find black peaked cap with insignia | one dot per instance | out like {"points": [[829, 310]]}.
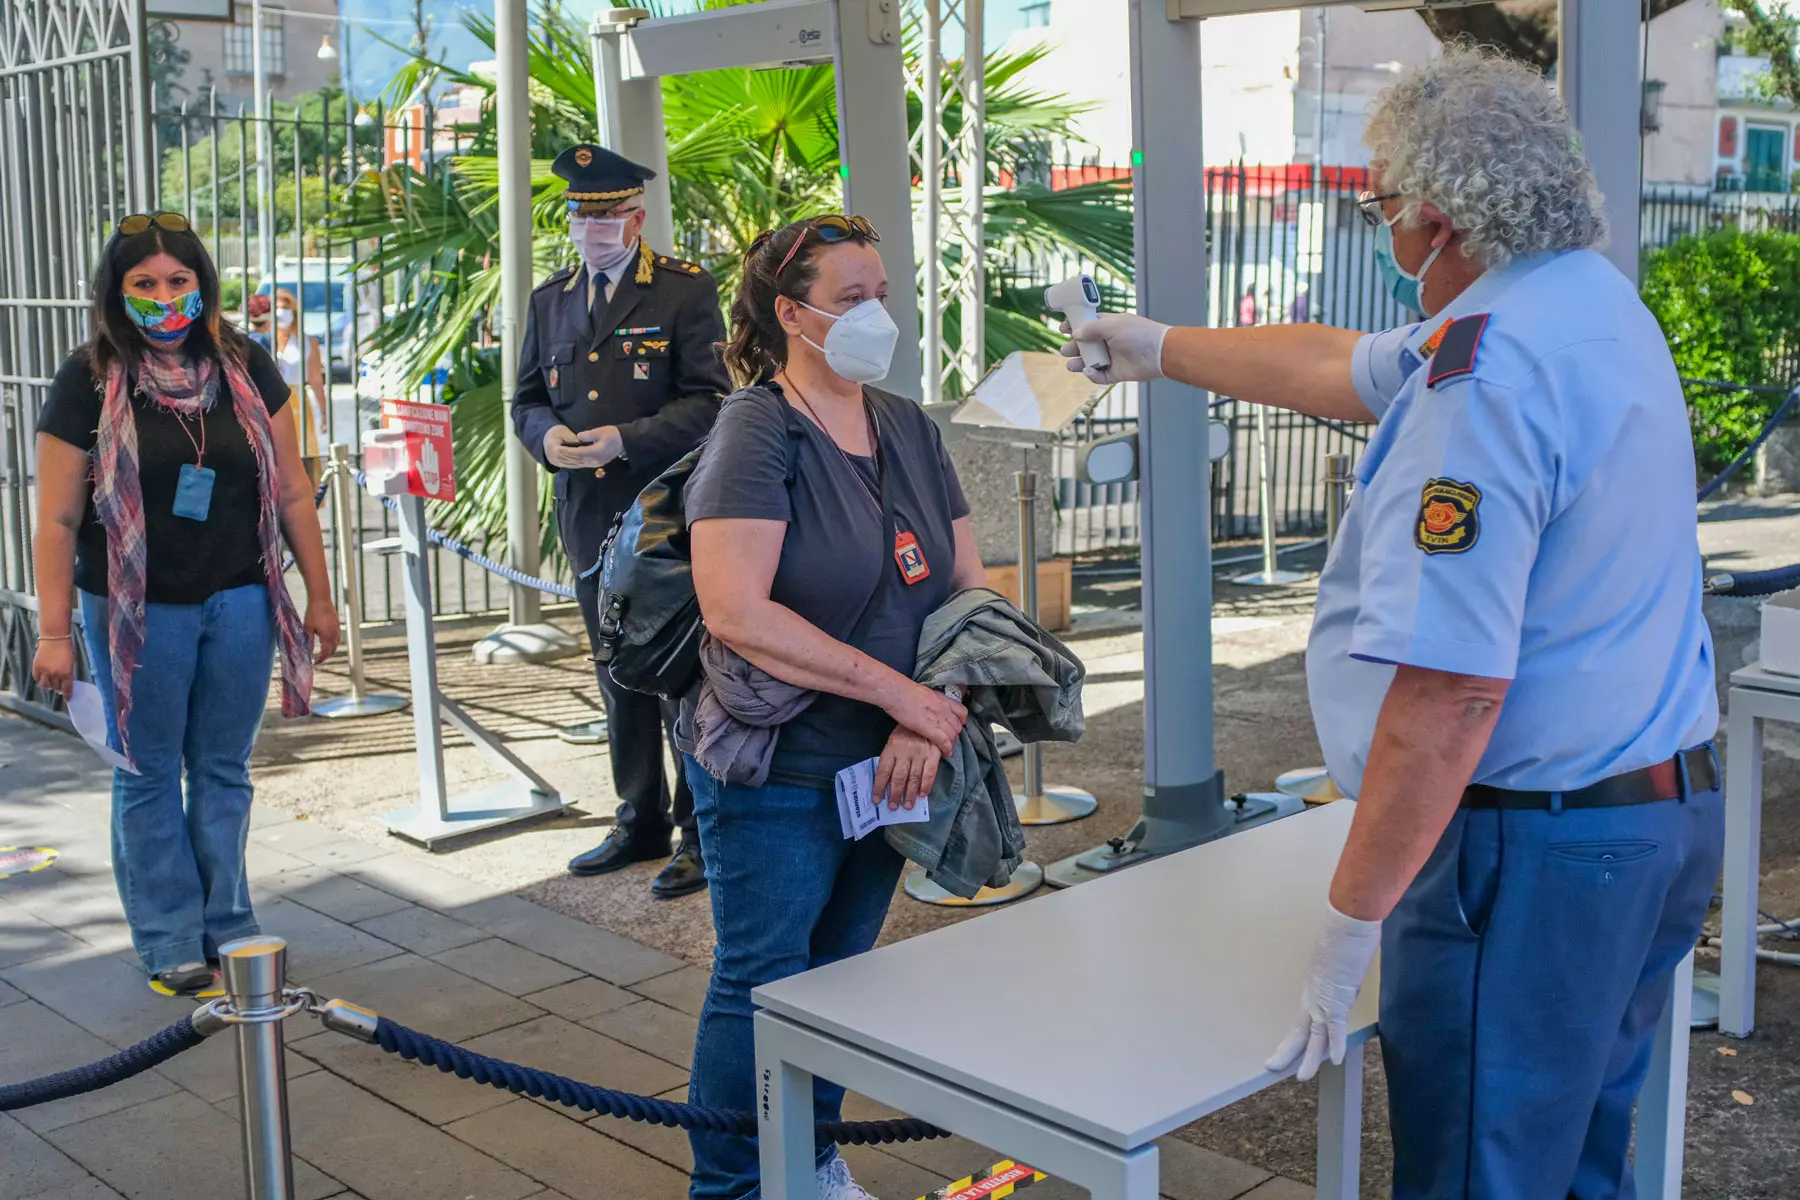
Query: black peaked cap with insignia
{"points": [[597, 177]]}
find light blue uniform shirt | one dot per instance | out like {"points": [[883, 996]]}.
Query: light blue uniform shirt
{"points": [[1531, 520]]}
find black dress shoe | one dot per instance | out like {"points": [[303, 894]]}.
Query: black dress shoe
{"points": [[620, 849], [685, 874]]}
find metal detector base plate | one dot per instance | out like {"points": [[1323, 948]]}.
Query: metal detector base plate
{"points": [[1278, 579], [1259, 808], [1705, 1014], [1026, 880], [339, 707], [1057, 806], [473, 812], [526, 644]]}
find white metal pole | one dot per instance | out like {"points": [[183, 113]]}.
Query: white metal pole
{"points": [[265, 188], [513, 109], [973, 164], [1599, 72], [931, 146]]}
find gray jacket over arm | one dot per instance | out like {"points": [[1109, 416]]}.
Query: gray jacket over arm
{"points": [[1017, 676]]}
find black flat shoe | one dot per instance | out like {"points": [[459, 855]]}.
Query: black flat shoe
{"points": [[189, 979], [620, 849], [685, 874]]}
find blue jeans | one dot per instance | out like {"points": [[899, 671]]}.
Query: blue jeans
{"points": [[788, 894], [1522, 978], [197, 699]]}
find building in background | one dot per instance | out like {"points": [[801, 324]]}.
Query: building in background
{"points": [[218, 54]]}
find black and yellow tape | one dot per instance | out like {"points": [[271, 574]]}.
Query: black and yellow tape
{"points": [[994, 1183]]}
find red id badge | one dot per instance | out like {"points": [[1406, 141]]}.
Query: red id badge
{"points": [[911, 558]]}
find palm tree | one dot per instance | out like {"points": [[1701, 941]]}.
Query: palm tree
{"points": [[747, 150]]}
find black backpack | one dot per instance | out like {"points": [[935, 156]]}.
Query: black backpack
{"points": [[650, 622], [649, 616]]}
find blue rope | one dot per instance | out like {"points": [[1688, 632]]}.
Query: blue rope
{"points": [[463, 550], [1737, 464], [158, 1048], [526, 1081]]}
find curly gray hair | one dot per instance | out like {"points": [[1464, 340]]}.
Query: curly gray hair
{"points": [[1488, 141]]}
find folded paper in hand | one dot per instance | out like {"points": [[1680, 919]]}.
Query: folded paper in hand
{"points": [[87, 712], [860, 812]]}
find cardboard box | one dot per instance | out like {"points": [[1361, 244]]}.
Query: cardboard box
{"points": [[1056, 590], [1781, 633]]}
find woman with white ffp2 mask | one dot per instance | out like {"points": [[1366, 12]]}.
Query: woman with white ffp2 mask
{"points": [[826, 525]]}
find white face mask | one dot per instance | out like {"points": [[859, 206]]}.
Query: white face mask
{"points": [[284, 317], [860, 346], [600, 241]]}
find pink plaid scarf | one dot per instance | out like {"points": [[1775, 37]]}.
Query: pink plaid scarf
{"points": [[119, 501]]}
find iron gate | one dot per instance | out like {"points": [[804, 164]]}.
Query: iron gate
{"points": [[73, 160]]}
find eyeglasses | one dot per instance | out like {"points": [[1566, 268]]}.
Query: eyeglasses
{"points": [[169, 222], [831, 228], [1368, 204]]}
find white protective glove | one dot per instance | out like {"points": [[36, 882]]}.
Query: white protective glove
{"points": [[1340, 960], [1133, 343]]}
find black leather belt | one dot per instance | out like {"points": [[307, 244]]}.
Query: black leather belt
{"points": [[1643, 786]]}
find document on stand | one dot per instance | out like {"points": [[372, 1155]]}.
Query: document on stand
{"points": [[860, 812]]}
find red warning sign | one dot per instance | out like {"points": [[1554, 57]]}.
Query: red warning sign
{"points": [[430, 461]]}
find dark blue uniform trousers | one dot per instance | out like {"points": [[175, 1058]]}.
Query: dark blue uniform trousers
{"points": [[1523, 975]]}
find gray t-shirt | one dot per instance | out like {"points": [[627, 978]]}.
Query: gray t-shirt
{"points": [[834, 553]]}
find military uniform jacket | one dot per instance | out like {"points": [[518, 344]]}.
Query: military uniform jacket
{"points": [[645, 361]]}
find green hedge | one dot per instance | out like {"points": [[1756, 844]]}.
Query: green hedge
{"points": [[1729, 303]]}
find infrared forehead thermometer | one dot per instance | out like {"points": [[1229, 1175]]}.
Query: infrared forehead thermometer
{"points": [[1079, 300]]}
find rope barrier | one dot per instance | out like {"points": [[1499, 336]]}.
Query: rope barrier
{"points": [[158, 1048], [479, 1068], [1737, 464], [1753, 583], [463, 550]]}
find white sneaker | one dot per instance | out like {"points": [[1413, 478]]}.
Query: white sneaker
{"points": [[835, 1183]]}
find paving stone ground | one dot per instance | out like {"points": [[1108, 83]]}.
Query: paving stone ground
{"points": [[462, 960]]}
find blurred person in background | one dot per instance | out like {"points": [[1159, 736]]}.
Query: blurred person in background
{"points": [[168, 477]]}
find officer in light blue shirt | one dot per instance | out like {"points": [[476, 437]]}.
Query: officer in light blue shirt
{"points": [[1508, 668]]}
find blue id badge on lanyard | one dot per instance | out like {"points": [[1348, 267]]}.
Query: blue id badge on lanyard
{"points": [[193, 492]]}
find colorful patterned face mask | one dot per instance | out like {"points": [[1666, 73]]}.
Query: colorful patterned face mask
{"points": [[165, 321]]}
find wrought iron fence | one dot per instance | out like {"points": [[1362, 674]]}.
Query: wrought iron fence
{"points": [[271, 230]]}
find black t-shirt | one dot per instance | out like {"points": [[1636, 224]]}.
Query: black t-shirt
{"points": [[835, 550], [187, 560]]}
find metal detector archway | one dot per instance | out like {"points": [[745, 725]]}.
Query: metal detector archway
{"points": [[1184, 791]]}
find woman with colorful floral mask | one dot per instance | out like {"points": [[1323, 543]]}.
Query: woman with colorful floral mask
{"points": [[167, 478]]}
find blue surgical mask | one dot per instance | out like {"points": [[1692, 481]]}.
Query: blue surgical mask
{"points": [[1408, 290]]}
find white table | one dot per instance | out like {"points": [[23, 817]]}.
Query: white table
{"points": [[1755, 696], [1071, 1031]]}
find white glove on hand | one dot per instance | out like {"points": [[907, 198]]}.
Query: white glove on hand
{"points": [[1133, 343], [1340, 961]]}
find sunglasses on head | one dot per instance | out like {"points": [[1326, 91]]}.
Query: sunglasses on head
{"points": [[169, 222], [832, 229], [1369, 205]]}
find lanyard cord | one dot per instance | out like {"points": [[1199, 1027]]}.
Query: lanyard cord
{"points": [[874, 442], [199, 446]]}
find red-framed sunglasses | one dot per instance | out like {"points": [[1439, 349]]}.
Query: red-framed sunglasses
{"points": [[831, 228]]}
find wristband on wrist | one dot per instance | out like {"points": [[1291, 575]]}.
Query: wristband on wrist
{"points": [[55, 637]]}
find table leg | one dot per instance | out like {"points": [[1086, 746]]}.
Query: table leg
{"points": [[1743, 855], [784, 1124], [1340, 1127], [1662, 1105]]}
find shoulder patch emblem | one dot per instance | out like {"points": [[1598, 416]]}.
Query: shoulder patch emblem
{"points": [[1456, 348], [1449, 517]]}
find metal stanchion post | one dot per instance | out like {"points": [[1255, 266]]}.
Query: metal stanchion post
{"points": [[349, 579], [1271, 573], [1337, 483], [255, 972], [1040, 805]]}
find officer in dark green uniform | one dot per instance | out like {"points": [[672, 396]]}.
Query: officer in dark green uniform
{"points": [[618, 378]]}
